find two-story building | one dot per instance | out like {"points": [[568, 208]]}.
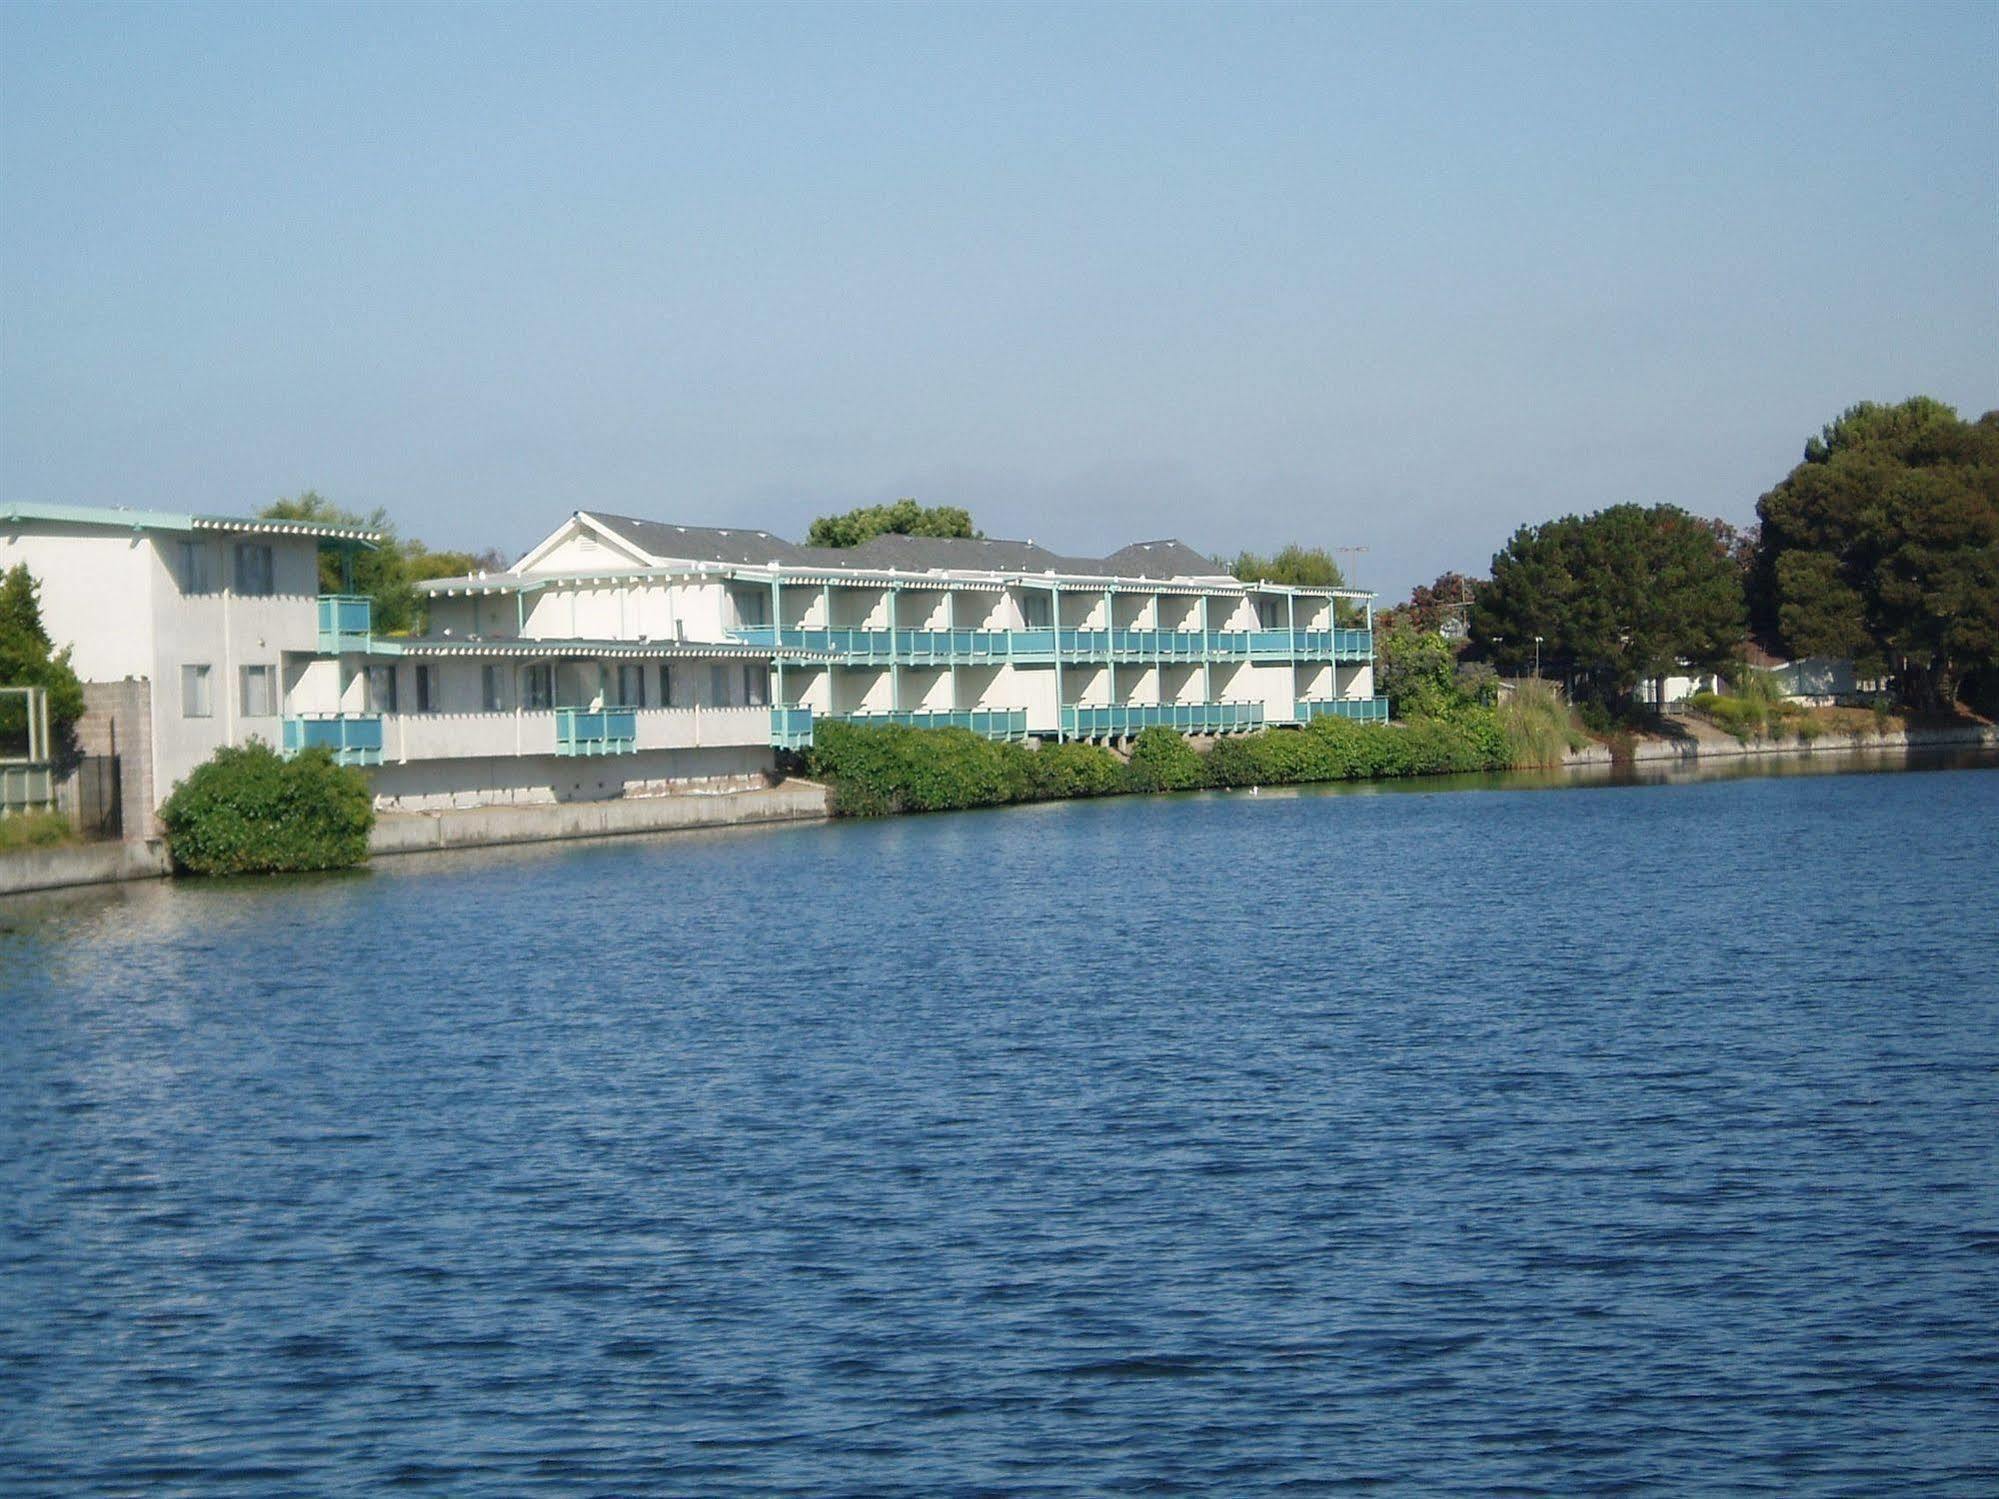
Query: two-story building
{"points": [[629, 657]]}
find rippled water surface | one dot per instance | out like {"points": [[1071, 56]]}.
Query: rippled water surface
{"points": [[1617, 1140]]}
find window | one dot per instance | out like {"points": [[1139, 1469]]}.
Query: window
{"points": [[197, 567], [1034, 610], [426, 689], [631, 686], [752, 608], [381, 689], [255, 575], [493, 688], [1270, 613], [538, 686], [718, 685], [194, 699], [260, 691], [756, 684], [666, 686]]}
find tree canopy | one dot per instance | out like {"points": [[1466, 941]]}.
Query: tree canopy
{"points": [[28, 658], [904, 518], [1616, 597], [1298, 566], [389, 573], [1883, 545]]}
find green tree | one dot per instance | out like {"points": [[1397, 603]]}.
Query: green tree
{"points": [[1883, 545], [1295, 565], [383, 574], [1616, 597], [28, 658], [1417, 672], [903, 518]]}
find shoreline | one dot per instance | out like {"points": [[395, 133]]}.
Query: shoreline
{"points": [[73, 866], [1699, 740]]}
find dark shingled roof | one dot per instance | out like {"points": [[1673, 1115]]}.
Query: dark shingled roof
{"points": [[699, 543], [893, 553], [1161, 559]]}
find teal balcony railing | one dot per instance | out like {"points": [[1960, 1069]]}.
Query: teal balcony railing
{"points": [[976, 647], [354, 738], [993, 723], [791, 728], [596, 731], [346, 623], [1121, 720], [1366, 709]]}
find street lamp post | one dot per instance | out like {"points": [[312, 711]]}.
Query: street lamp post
{"points": [[1537, 658]]}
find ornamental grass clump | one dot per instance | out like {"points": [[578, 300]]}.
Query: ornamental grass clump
{"points": [[250, 811]]}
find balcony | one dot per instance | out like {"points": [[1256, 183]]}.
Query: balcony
{"points": [[353, 738], [1365, 709], [346, 623], [993, 723], [1122, 720], [791, 728], [1040, 647], [596, 731]]}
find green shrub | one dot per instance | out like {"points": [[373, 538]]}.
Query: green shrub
{"points": [[1056, 771], [1162, 760], [877, 769], [249, 811]]}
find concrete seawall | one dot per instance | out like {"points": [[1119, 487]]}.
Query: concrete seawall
{"points": [[484, 827], [1702, 741], [58, 868], [25, 870]]}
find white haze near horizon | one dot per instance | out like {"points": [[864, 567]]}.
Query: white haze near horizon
{"points": [[1394, 278]]}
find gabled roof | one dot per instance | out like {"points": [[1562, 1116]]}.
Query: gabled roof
{"points": [[670, 543]]}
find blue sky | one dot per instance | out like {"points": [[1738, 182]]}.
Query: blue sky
{"points": [[1396, 278]]}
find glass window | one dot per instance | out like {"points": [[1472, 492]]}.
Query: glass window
{"points": [[255, 575], [756, 684], [259, 692], [493, 688], [666, 686], [194, 698], [752, 608], [426, 688], [1270, 613], [381, 689], [1034, 609], [631, 686], [197, 567], [718, 685], [538, 686]]}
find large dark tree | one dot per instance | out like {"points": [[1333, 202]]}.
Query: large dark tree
{"points": [[903, 518], [1883, 545], [1616, 597]]}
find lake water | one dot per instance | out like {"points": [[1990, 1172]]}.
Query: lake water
{"points": [[1619, 1140]]}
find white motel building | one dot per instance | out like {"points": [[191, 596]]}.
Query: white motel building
{"points": [[625, 657]]}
